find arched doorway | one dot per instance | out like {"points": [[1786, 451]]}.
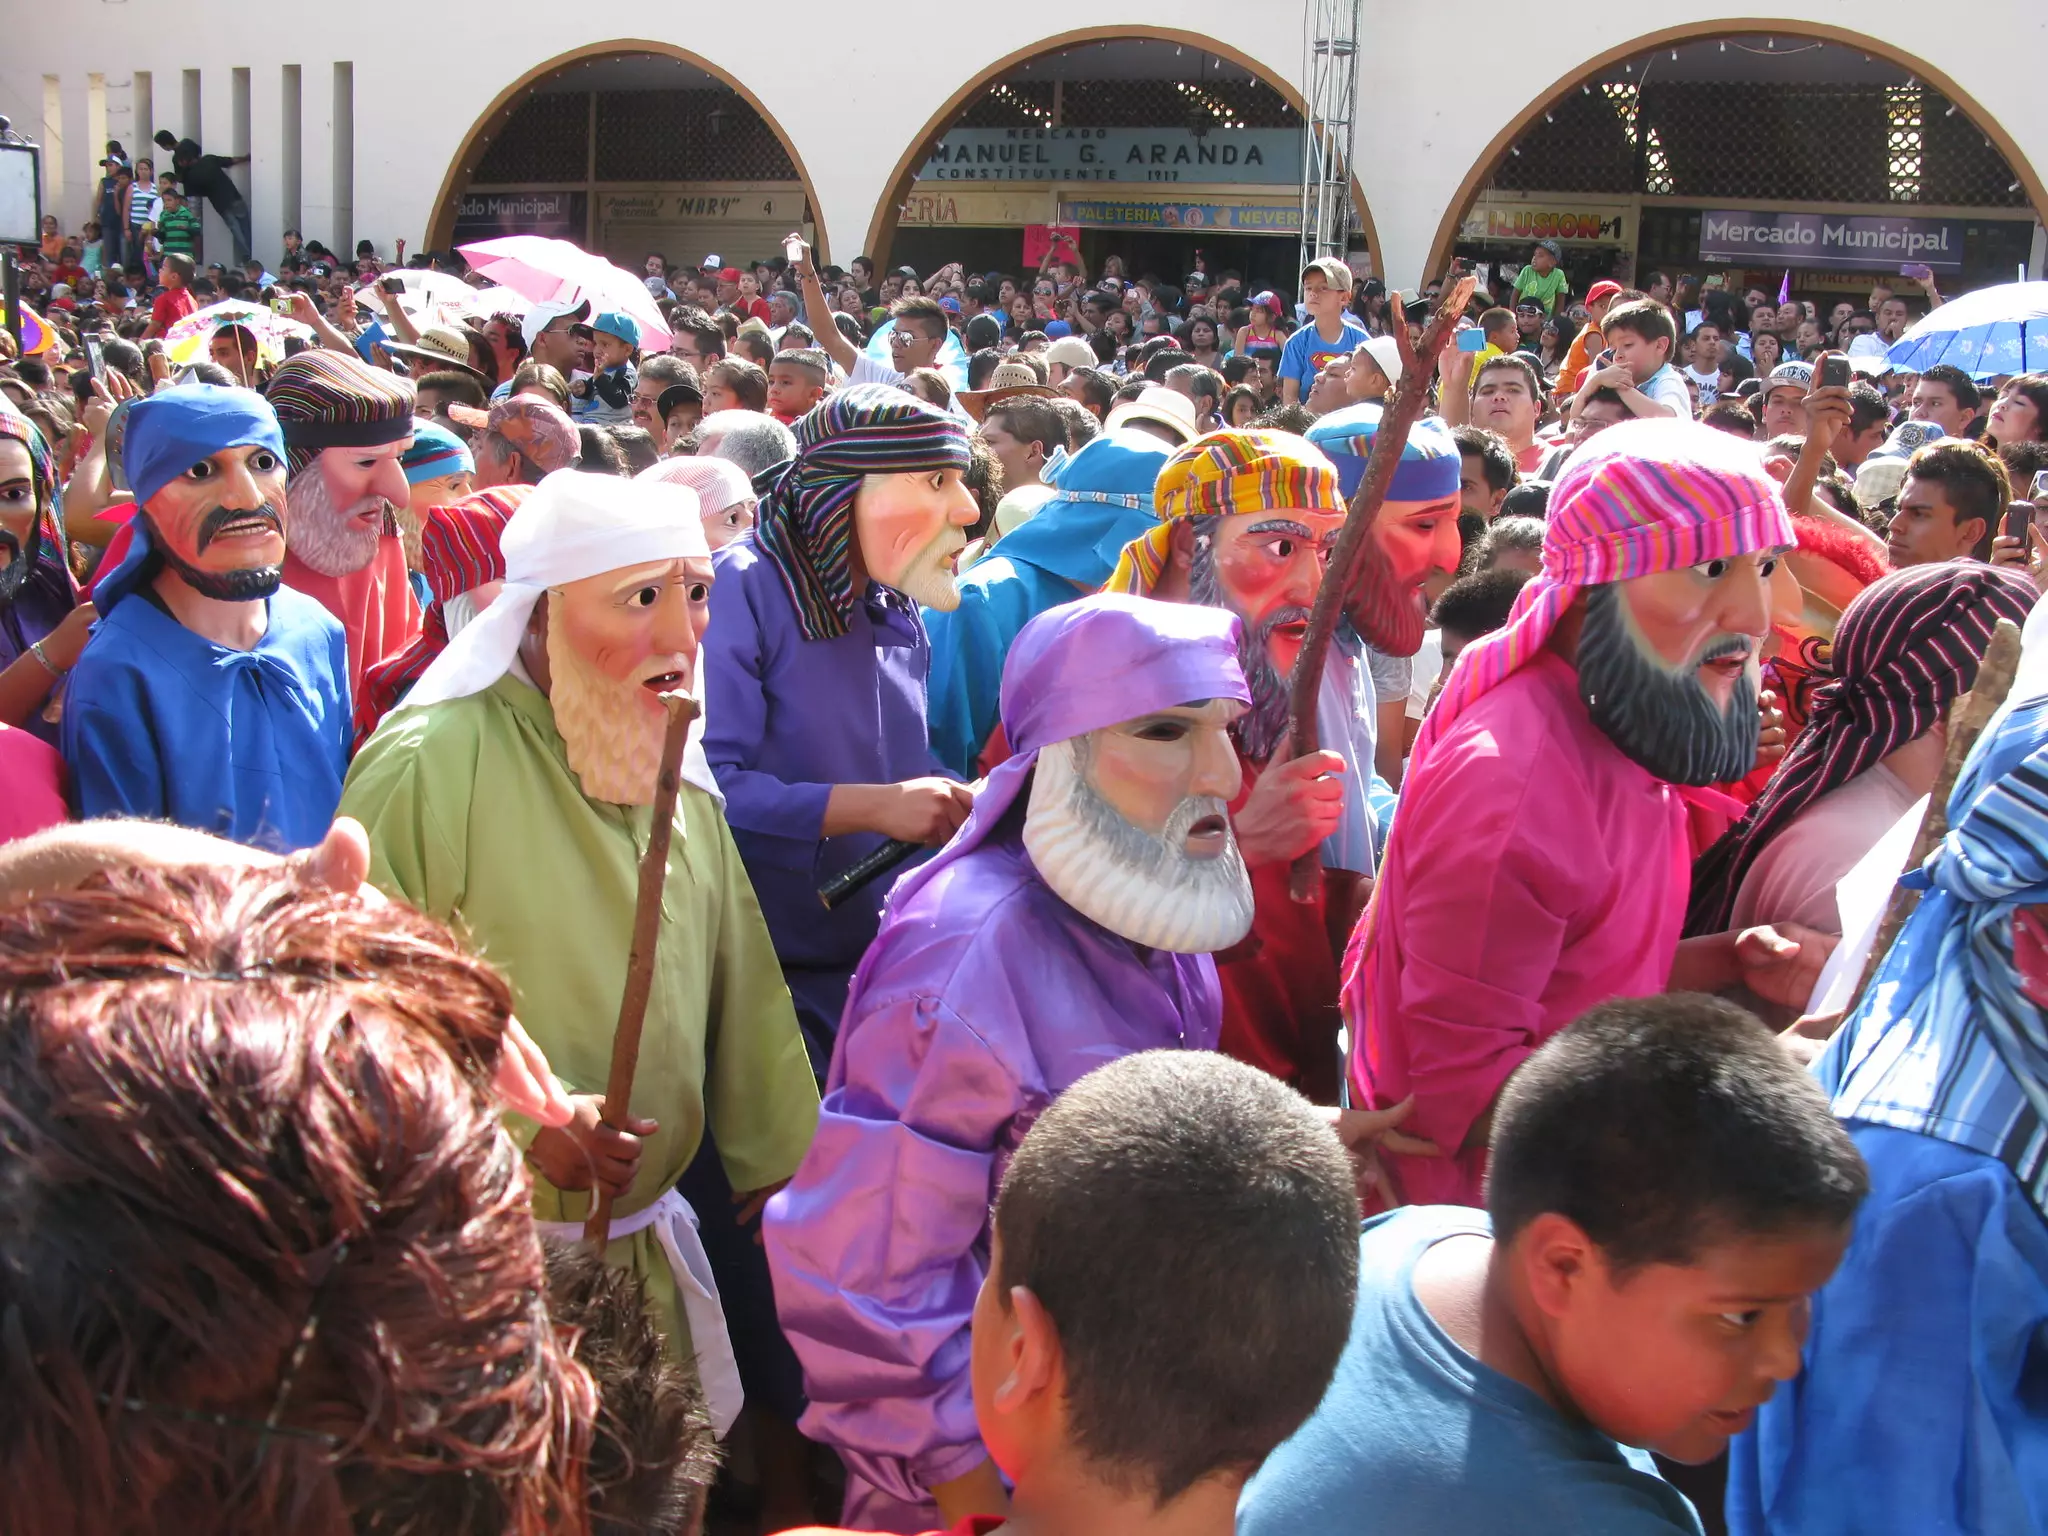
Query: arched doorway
{"points": [[1147, 143], [629, 148], [1843, 158]]}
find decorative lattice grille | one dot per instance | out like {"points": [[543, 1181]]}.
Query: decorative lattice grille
{"points": [[1130, 104], [1807, 143], [701, 135], [545, 139]]}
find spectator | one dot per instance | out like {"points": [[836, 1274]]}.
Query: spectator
{"points": [[1331, 331], [1949, 506], [206, 176], [1945, 396], [1640, 337], [175, 302]]}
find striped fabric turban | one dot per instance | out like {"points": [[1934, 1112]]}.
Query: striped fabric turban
{"points": [[1222, 474], [459, 551], [806, 526], [1905, 649], [327, 399], [1649, 495]]}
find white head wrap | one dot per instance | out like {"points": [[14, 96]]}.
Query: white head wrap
{"points": [[573, 526]]}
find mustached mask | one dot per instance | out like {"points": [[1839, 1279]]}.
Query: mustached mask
{"points": [[1663, 718]]}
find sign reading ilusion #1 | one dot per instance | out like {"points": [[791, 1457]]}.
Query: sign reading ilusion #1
{"points": [[1869, 242]]}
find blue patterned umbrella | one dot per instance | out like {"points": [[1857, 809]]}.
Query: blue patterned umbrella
{"points": [[1990, 332]]}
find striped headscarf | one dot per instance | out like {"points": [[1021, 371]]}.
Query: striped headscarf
{"points": [[1905, 649], [1649, 495], [42, 556], [327, 399], [806, 526], [1220, 475], [459, 552]]}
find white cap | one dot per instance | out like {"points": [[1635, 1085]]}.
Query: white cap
{"points": [[546, 313], [1166, 407], [1386, 355]]}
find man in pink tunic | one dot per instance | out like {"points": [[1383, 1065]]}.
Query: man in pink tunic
{"points": [[1539, 862]]}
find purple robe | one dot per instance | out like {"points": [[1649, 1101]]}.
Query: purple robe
{"points": [[38, 608], [787, 718], [983, 996]]}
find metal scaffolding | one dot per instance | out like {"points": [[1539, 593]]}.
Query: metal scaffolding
{"points": [[1331, 74]]}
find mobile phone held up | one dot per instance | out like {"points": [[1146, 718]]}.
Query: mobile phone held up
{"points": [[391, 284], [2019, 519], [1472, 339], [95, 361], [1834, 372]]}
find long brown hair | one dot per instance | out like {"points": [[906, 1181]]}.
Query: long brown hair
{"points": [[268, 1259]]}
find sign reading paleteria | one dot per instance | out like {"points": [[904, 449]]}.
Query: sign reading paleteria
{"points": [[1264, 155], [1786, 239]]}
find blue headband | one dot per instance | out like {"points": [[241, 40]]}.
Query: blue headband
{"points": [[435, 452], [170, 431], [1430, 461]]}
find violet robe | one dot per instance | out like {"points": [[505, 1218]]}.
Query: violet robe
{"points": [[983, 997]]}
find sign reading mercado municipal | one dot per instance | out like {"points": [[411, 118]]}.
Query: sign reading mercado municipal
{"points": [[1785, 239], [1217, 155]]}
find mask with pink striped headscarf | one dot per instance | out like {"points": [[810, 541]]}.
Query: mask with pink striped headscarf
{"points": [[1642, 498]]}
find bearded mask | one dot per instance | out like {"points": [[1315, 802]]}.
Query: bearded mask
{"points": [[911, 528], [220, 524], [1130, 827], [615, 643], [1692, 720], [1265, 567], [336, 508]]}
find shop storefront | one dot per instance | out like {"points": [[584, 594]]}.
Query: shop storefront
{"points": [[1596, 235]]}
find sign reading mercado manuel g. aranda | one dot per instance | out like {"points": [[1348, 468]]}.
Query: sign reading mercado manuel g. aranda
{"points": [[1225, 155], [1830, 240]]}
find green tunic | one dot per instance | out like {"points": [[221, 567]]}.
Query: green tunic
{"points": [[476, 818]]}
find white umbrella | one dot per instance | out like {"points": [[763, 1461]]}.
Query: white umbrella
{"points": [[1994, 331], [548, 270], [424, 290]]}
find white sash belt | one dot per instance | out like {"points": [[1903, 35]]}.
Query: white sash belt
{"points": [[675, 1228]]}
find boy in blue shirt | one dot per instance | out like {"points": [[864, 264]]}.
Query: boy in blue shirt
{"points": [[1668, 1189], [615, 343], [1331, 331]]}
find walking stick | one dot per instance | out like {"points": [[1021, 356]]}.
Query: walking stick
{"points": [[1418, 366], [1967, 718], [618, 1087]]}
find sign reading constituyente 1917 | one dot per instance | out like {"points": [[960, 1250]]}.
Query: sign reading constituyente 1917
{"points": [[1830, 240], [1264, 155]]}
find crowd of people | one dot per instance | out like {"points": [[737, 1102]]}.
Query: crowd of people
{"points": [[1072, 1090]]}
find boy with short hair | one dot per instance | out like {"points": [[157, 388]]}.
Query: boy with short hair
{"points": [[1668, 1190], [1115, 1399], [1703, 362], [1640, 338], [1332, 331], [177, 227], [1543, 279], [797, 380]]}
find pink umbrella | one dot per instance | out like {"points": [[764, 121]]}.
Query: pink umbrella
{"points": [[545, 269]]}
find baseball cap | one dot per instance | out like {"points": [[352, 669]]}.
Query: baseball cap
{"points": [[1269, 301], [950, 304], [546, 313], [728, 274], [1606, 288], [675, 395], [1908, 438], [1386, 352], [1071, 352], [1791, 375], [612, 323], [712, 263], [1332, 271], [1165, 407]]}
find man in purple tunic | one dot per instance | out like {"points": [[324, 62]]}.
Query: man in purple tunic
{"points": [[1069, 922], [814, 675]]}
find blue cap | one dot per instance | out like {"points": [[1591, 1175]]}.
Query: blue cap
{"points": [[612, 323], [1430, 461], [435, 452], [168, 432]]}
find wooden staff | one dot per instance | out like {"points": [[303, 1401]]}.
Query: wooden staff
{"points": [[618, 1087], [1418, 367], [1967, 717]]}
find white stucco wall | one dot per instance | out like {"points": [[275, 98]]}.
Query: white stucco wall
{"points": [[852, 102]]}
